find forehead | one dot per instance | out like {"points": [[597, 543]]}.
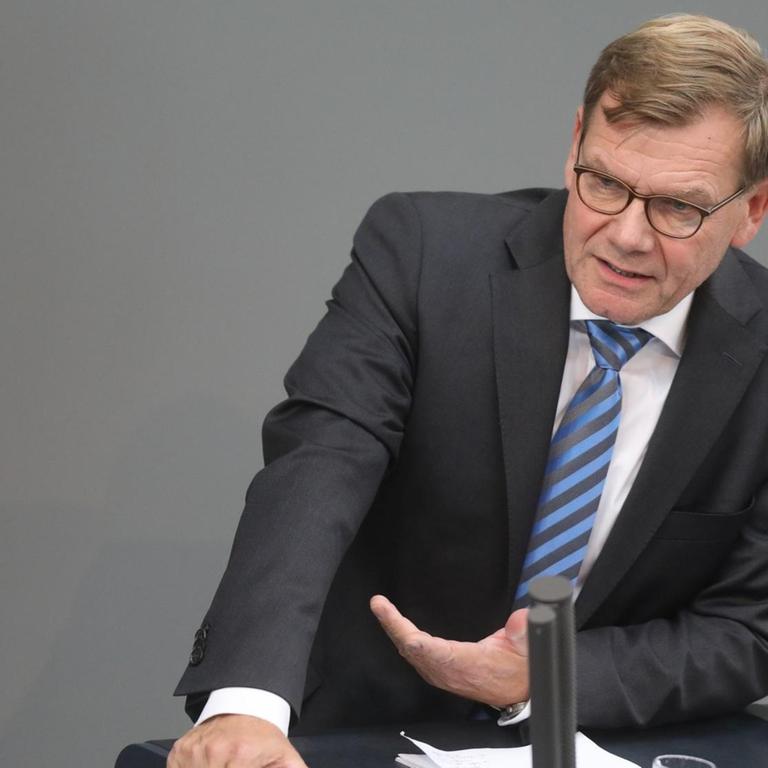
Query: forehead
{"points": [[700, 161]]}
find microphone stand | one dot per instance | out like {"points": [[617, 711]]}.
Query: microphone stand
{"points": [[551, 645]]}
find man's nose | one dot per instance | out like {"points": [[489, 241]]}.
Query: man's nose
{"points": [[631, 231]]}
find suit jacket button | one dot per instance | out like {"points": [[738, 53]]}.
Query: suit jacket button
{"points": [[198, 647]]}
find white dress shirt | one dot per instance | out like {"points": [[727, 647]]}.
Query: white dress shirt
{"points": [[645, 382]]}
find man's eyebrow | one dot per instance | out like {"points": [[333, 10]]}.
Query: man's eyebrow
{"points": [[691, 194], [696, 195], [598, 166]]}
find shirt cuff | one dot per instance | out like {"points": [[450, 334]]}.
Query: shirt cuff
{"points": [[523, 714], [248, 701]]}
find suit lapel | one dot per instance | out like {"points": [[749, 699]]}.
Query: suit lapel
{"points": [[530, 335], [721, 357]]}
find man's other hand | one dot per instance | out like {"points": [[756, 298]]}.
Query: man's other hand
{"points": [[234, 741], [493, 671]]}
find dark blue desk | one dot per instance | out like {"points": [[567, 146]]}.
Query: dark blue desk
{"points": [[737, 741]]}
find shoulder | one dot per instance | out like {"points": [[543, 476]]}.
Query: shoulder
{"points": [[417, 239], [752, 279], [740, 287], [754, 270], [460, 208], [450, 220]]}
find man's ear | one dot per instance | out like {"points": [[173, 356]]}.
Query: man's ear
{"points": [[757, 207], [573, 153]]}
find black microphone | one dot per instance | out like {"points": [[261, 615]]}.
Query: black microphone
{"points": [[552, 664]]}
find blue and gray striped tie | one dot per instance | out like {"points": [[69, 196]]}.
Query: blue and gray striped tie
{"points": [[579, 455]]}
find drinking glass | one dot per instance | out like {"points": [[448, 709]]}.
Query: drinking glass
{"points": [[681, 761]]}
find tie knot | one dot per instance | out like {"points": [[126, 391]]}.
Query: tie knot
{"points": [[613, 345]]}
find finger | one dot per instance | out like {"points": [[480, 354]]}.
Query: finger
{"points": [[516, 631], [403, 633]]}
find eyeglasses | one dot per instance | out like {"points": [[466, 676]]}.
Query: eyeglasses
{"points": [[669, 216]]}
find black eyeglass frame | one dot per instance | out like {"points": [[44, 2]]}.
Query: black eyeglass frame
{"points": [[579, 169]]}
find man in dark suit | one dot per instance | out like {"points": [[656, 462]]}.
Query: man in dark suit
{"points": [[412, 457]]}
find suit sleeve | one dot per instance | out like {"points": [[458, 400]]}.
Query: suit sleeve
{"points": [[326, 449], [710, 658]]}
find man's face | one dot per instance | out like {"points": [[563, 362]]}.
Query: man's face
{"points": [[621, 267]]}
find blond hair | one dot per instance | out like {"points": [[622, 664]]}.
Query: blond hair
{"points": [[670, 70]]}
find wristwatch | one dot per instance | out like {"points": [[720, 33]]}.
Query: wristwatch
{"points": [[510, 712]]}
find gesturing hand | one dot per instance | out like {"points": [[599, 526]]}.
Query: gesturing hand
{"points": [[493, 671], [234, 741]]}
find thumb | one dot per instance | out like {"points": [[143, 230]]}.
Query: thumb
{"points": [[516, 631]]}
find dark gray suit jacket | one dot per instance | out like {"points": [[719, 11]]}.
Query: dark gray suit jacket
{"points": [[408, 458]]}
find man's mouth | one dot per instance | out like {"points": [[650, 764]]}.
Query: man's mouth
{"points": [[623, 272]]}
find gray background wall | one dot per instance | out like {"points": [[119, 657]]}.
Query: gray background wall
{"points": [[179, 182]]}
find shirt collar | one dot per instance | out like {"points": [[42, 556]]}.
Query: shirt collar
{"points": [[668, 328]]}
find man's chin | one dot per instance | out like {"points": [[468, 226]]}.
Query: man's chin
{"points": [[619, 310]]}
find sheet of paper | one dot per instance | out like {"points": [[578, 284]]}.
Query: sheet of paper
{"points": [[588, 755]]}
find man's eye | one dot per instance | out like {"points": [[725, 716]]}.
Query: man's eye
{"points": [[607, 183], [672, 206]]}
